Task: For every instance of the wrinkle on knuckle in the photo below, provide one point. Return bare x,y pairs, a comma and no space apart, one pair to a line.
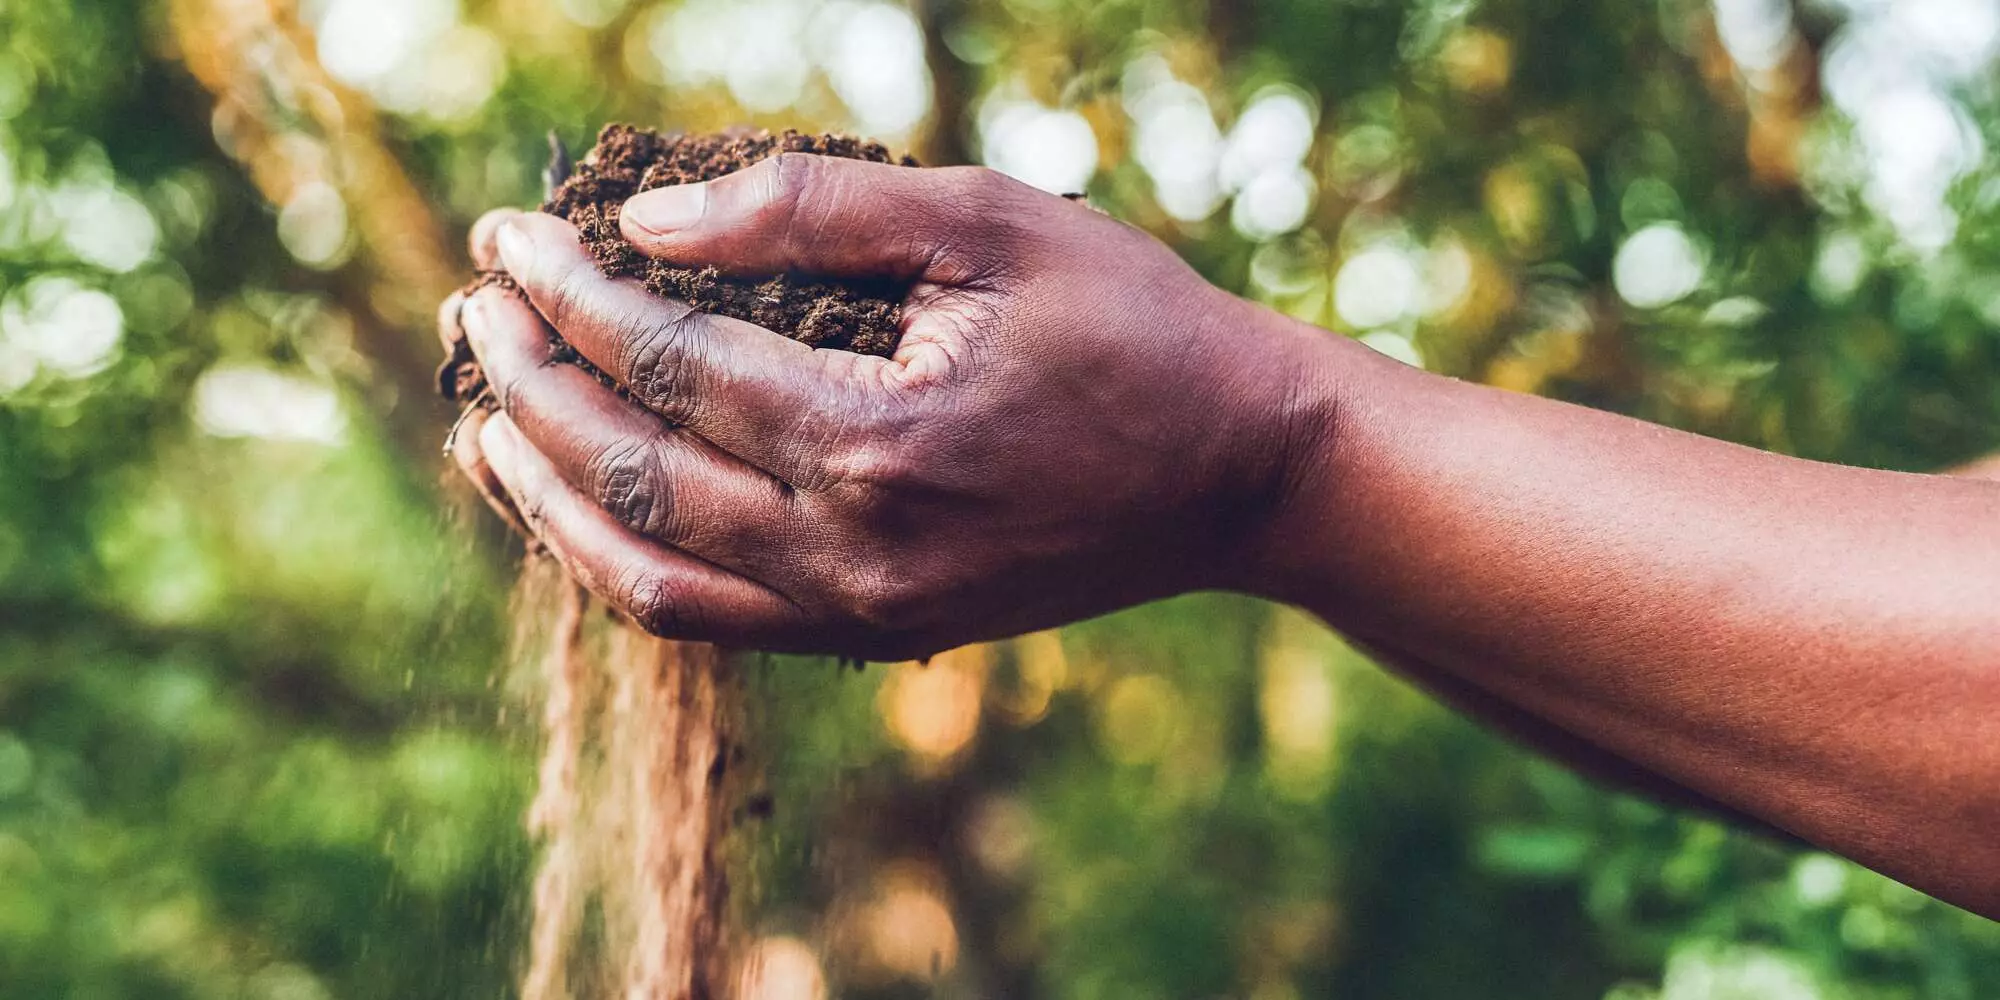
568,293
517,387
809,438
794,189
983,183
507,384
970,233
877,461
985,194
657,364
882,602
629,486
864,597
793,178
861,467
661,605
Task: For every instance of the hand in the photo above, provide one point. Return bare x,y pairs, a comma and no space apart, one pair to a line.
1074,422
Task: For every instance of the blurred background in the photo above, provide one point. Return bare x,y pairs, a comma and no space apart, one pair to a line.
258,734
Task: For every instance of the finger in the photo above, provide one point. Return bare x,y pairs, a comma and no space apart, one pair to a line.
835,217
466,452
471,460
447,320
664,483
739,385
667,591
479,239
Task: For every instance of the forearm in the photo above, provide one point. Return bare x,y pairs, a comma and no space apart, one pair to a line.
1545,737
1812,645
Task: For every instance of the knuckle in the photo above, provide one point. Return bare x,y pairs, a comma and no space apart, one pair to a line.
656,363
974,222
982,192
866,445
883,603
511,383
795,182
630,488
567,291
873,464
662,606
791,179
982,180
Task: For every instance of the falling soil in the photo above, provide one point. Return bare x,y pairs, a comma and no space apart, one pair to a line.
637,790
860,316
633,808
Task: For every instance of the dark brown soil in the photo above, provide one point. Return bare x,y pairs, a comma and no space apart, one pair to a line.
864,317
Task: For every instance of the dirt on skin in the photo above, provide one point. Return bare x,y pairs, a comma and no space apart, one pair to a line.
860,316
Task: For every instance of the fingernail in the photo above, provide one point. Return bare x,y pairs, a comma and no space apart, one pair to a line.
517,250
667,209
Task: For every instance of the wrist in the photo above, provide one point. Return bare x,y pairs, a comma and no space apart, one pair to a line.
1323,417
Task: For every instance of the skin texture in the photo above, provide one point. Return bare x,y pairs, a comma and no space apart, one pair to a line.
1076,422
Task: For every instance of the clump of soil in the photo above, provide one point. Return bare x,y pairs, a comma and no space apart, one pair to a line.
860,316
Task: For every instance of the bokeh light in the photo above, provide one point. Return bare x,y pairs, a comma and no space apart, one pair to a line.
1138,718
905,927
58,325
875,60
1894,69
242,400
1657,266
1000,835
105,226
932,709
781,968
313,225
1051,149
1379,286
1175,138
1299,706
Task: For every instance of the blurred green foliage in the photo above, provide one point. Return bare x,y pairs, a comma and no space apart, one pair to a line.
257,737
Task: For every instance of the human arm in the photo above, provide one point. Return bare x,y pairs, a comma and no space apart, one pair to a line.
1809,645
1076,423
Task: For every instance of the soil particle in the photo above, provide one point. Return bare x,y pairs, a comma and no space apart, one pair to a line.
864,317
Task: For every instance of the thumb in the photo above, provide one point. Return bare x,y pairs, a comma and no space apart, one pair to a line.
834,217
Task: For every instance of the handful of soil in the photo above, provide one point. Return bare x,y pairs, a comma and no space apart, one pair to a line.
860,316
636,799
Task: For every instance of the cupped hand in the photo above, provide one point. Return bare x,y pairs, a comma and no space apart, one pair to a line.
1073,422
